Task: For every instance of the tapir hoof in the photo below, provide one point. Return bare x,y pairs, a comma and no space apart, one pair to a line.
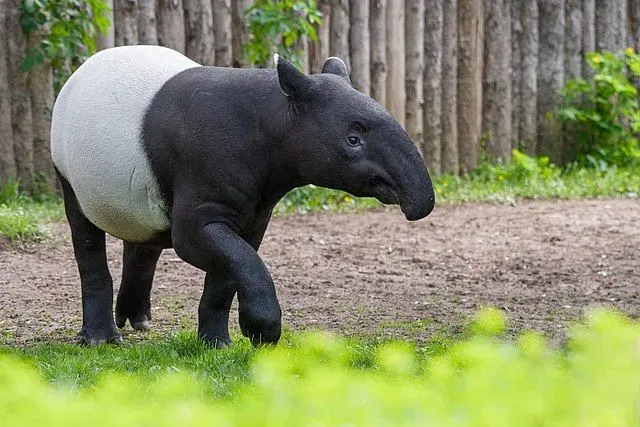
139,322
95,338
262,331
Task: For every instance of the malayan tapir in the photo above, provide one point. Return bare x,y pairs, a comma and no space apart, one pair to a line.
162,152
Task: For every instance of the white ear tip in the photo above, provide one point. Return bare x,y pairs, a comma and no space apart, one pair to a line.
276,57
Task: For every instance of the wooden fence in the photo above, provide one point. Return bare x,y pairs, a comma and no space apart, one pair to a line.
454,72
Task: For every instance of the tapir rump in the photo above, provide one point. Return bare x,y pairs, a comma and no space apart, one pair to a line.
162,152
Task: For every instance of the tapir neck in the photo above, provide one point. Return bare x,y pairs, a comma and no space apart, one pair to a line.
276,121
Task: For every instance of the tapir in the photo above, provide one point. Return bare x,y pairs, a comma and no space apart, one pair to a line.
159,151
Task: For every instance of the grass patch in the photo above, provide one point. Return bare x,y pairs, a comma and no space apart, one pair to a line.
23,218
319,379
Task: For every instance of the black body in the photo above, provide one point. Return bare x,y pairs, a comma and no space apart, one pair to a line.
225,146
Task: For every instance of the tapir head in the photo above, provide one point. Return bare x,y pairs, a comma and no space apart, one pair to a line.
343,139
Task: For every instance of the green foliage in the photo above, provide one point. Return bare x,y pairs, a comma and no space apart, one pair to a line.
70,29
535,178
320,379
275,26
312,198
603,113
21,216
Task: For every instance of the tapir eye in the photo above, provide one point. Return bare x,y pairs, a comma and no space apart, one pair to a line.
353,141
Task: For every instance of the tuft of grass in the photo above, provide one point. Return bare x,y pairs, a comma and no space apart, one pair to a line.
23,218
535,178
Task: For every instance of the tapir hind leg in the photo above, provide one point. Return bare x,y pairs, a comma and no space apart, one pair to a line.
97,286
134,302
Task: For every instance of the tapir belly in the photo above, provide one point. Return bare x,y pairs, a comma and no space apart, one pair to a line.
96,141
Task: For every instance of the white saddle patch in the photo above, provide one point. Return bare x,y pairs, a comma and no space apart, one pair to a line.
96,138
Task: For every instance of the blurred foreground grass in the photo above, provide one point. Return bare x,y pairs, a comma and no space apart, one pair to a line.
319,379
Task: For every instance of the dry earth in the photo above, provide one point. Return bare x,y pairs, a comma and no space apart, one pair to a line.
374,273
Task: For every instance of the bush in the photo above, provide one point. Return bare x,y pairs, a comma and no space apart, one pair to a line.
481,380
603,113
278,25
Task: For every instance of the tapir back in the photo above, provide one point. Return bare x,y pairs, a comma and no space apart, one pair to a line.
96,138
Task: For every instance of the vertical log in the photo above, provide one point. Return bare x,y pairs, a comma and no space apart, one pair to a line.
240,32
171,31
516,70
359,47
550,78
470,52
147,22
634,23
573,39
8,170
588,34
20,99
572,61
432,81
497,79
609,34
414,44
198,17
41,93
222,30
378,31
529,45
339,36
396,60
319,49
623,23
125,22
449,161
108,39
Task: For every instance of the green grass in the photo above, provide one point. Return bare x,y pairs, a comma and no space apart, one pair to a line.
22,217
314,378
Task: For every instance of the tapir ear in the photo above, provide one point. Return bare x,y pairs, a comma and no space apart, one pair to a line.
292,81
335,65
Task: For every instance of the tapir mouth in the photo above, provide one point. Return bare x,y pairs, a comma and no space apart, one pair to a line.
384,190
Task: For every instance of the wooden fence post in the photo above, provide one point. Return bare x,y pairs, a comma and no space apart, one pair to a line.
339,34
359,46
449,161
21,116
432,121
470,57
550,78
414,44
378,31
198,17
497,79
222,30
147,22
529,46
396,60
171,32
126,22
7,156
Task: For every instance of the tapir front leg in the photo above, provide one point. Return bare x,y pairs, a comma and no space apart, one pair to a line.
215,304
229,260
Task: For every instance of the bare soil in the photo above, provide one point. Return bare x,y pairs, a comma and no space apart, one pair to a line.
374,273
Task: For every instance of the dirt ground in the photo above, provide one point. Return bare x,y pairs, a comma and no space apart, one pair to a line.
376,274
